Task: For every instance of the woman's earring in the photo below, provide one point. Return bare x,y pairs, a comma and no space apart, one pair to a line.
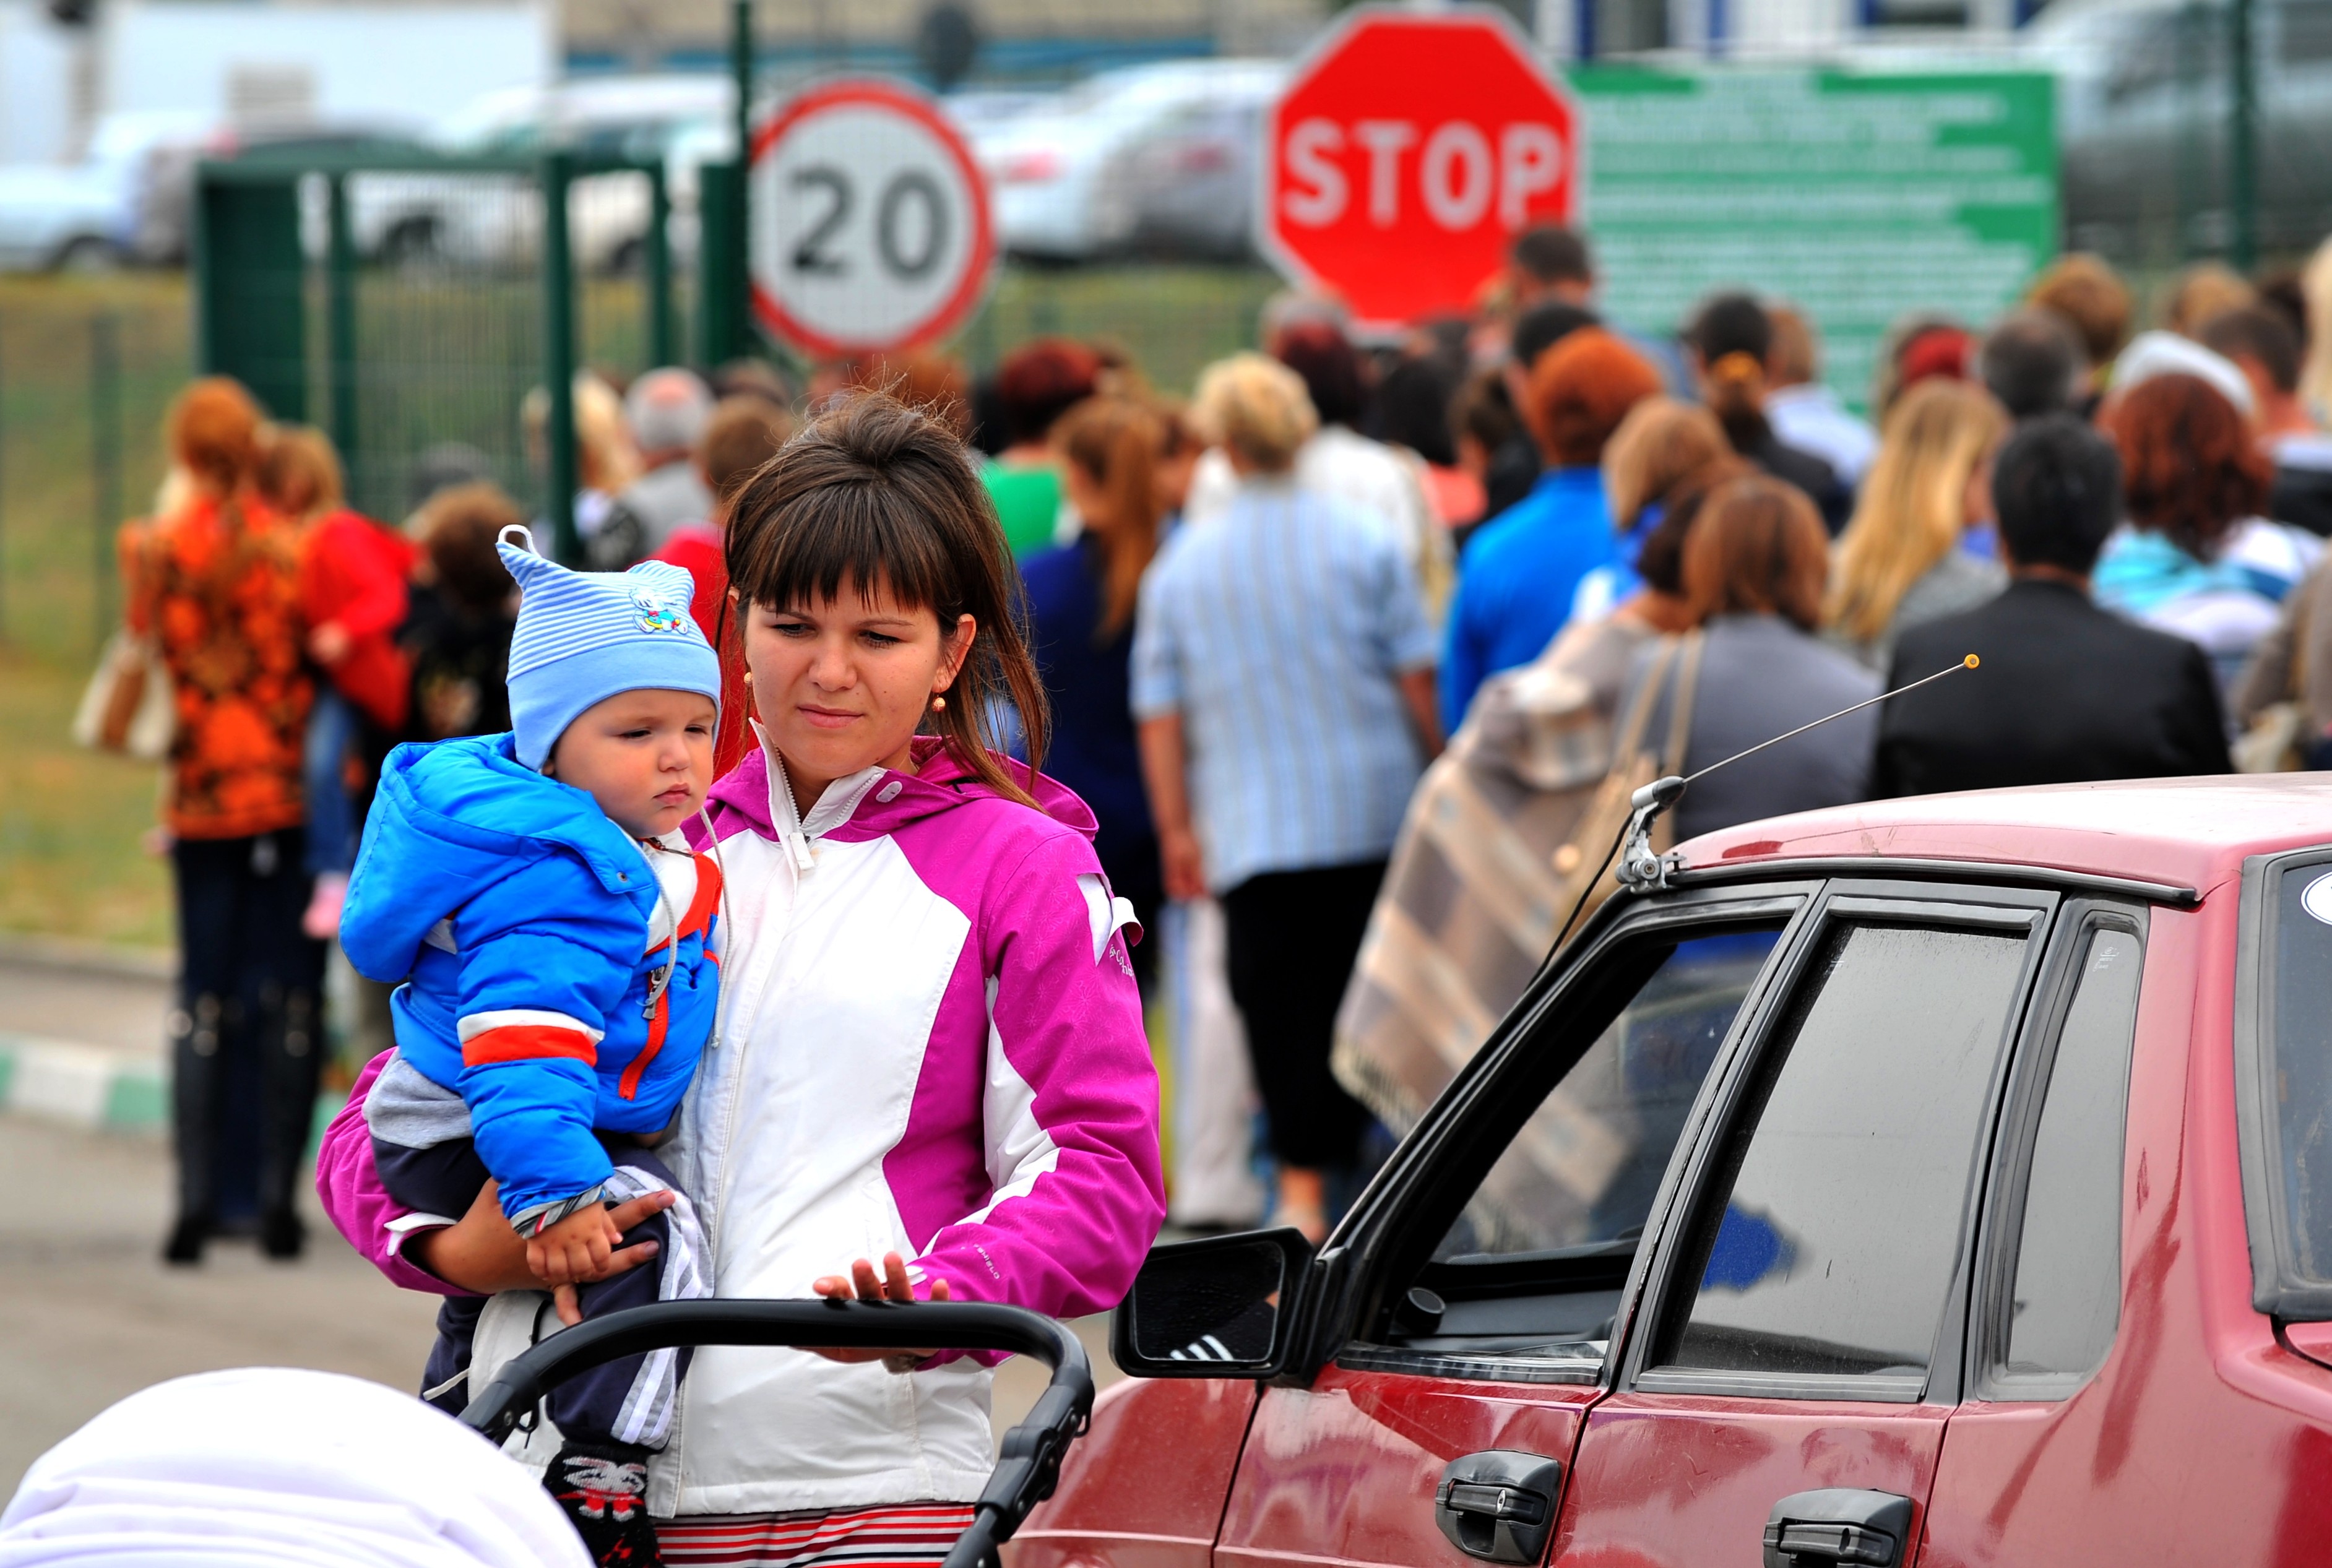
939,703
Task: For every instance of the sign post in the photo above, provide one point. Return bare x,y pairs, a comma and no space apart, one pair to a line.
869,219
1407,152
1858,197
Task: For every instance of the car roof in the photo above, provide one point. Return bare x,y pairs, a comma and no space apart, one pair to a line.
2182,832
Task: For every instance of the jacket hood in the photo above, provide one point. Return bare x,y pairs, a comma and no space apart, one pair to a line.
452,820
941,782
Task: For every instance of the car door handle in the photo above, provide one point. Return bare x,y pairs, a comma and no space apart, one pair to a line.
1499,1505
1838,1524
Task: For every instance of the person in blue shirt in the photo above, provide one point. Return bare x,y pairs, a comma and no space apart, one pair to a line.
1081,600
1517,577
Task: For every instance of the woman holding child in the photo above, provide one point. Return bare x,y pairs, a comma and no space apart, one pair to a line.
928,1049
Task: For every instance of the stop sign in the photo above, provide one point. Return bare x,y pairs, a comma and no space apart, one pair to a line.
1408,149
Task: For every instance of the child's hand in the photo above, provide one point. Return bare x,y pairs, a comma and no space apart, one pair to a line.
330,643
575,1250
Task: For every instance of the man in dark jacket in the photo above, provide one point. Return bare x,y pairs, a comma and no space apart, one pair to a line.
2065,692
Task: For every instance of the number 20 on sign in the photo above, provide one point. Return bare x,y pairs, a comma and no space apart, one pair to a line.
869,221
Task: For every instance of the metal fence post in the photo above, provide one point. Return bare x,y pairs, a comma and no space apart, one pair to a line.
341,326
658,272
736,270
559,356
2242,135
104,458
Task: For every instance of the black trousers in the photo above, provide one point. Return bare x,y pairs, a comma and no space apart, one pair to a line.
597,1406
246,1041
1292,937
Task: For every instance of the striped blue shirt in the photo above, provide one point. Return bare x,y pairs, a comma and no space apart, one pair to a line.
1277,629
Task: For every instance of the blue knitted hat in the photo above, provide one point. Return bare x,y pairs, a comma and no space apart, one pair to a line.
584,637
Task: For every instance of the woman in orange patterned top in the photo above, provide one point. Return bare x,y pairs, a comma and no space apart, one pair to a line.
215,582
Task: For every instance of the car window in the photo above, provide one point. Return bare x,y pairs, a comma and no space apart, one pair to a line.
1524,1284
1831,1232
2066,1299
2299,1035
1583,1168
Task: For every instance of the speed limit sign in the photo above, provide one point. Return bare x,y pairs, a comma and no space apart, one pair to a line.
870,227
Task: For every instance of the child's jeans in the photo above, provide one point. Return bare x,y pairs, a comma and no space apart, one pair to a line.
331,815
628,1401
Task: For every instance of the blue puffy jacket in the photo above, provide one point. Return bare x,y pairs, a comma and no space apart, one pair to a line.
519,919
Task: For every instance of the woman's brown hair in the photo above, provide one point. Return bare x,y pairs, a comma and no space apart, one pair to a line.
213,430
1117,442
1659,559
1660,444
1758,548
874,494
2190,469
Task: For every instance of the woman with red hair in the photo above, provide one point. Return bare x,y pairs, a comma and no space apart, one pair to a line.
215,582
1517,577
2195,558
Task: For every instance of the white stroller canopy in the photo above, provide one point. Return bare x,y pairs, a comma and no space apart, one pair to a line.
268,1466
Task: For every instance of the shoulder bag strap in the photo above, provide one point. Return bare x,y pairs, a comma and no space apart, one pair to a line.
1632,737
1688,687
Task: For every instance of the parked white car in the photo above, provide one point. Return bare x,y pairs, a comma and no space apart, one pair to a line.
486,218
85,215
1150,158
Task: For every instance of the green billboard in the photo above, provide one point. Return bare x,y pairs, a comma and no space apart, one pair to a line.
1859,196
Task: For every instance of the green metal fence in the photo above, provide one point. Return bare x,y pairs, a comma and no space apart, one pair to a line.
439,350
86,370
405,301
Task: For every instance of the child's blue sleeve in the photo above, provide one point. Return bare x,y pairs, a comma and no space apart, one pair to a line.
546,956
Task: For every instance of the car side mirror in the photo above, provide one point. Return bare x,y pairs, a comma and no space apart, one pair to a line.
1221,1306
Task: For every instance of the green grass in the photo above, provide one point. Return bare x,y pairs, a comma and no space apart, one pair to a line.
1174,321
72,822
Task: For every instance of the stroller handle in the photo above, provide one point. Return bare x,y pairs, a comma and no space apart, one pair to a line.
1031,1462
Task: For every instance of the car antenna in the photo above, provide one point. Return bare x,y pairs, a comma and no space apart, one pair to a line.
1642,870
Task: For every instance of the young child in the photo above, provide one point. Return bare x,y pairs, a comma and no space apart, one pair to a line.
352,583
554,934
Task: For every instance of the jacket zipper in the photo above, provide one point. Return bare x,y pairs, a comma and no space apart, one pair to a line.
795,867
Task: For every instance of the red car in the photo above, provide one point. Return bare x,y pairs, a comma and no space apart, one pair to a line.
1928,1182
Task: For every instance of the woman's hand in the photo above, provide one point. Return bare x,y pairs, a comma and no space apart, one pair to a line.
483,1254
861,1285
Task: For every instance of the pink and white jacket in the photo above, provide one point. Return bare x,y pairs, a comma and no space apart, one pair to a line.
929,1041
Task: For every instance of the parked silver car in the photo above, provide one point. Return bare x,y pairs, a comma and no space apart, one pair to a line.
86,216
492,219
1154,160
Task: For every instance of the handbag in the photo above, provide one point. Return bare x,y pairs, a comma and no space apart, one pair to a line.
1470,901
127,706
1585,863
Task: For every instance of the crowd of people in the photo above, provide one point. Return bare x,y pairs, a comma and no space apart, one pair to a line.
1259,614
